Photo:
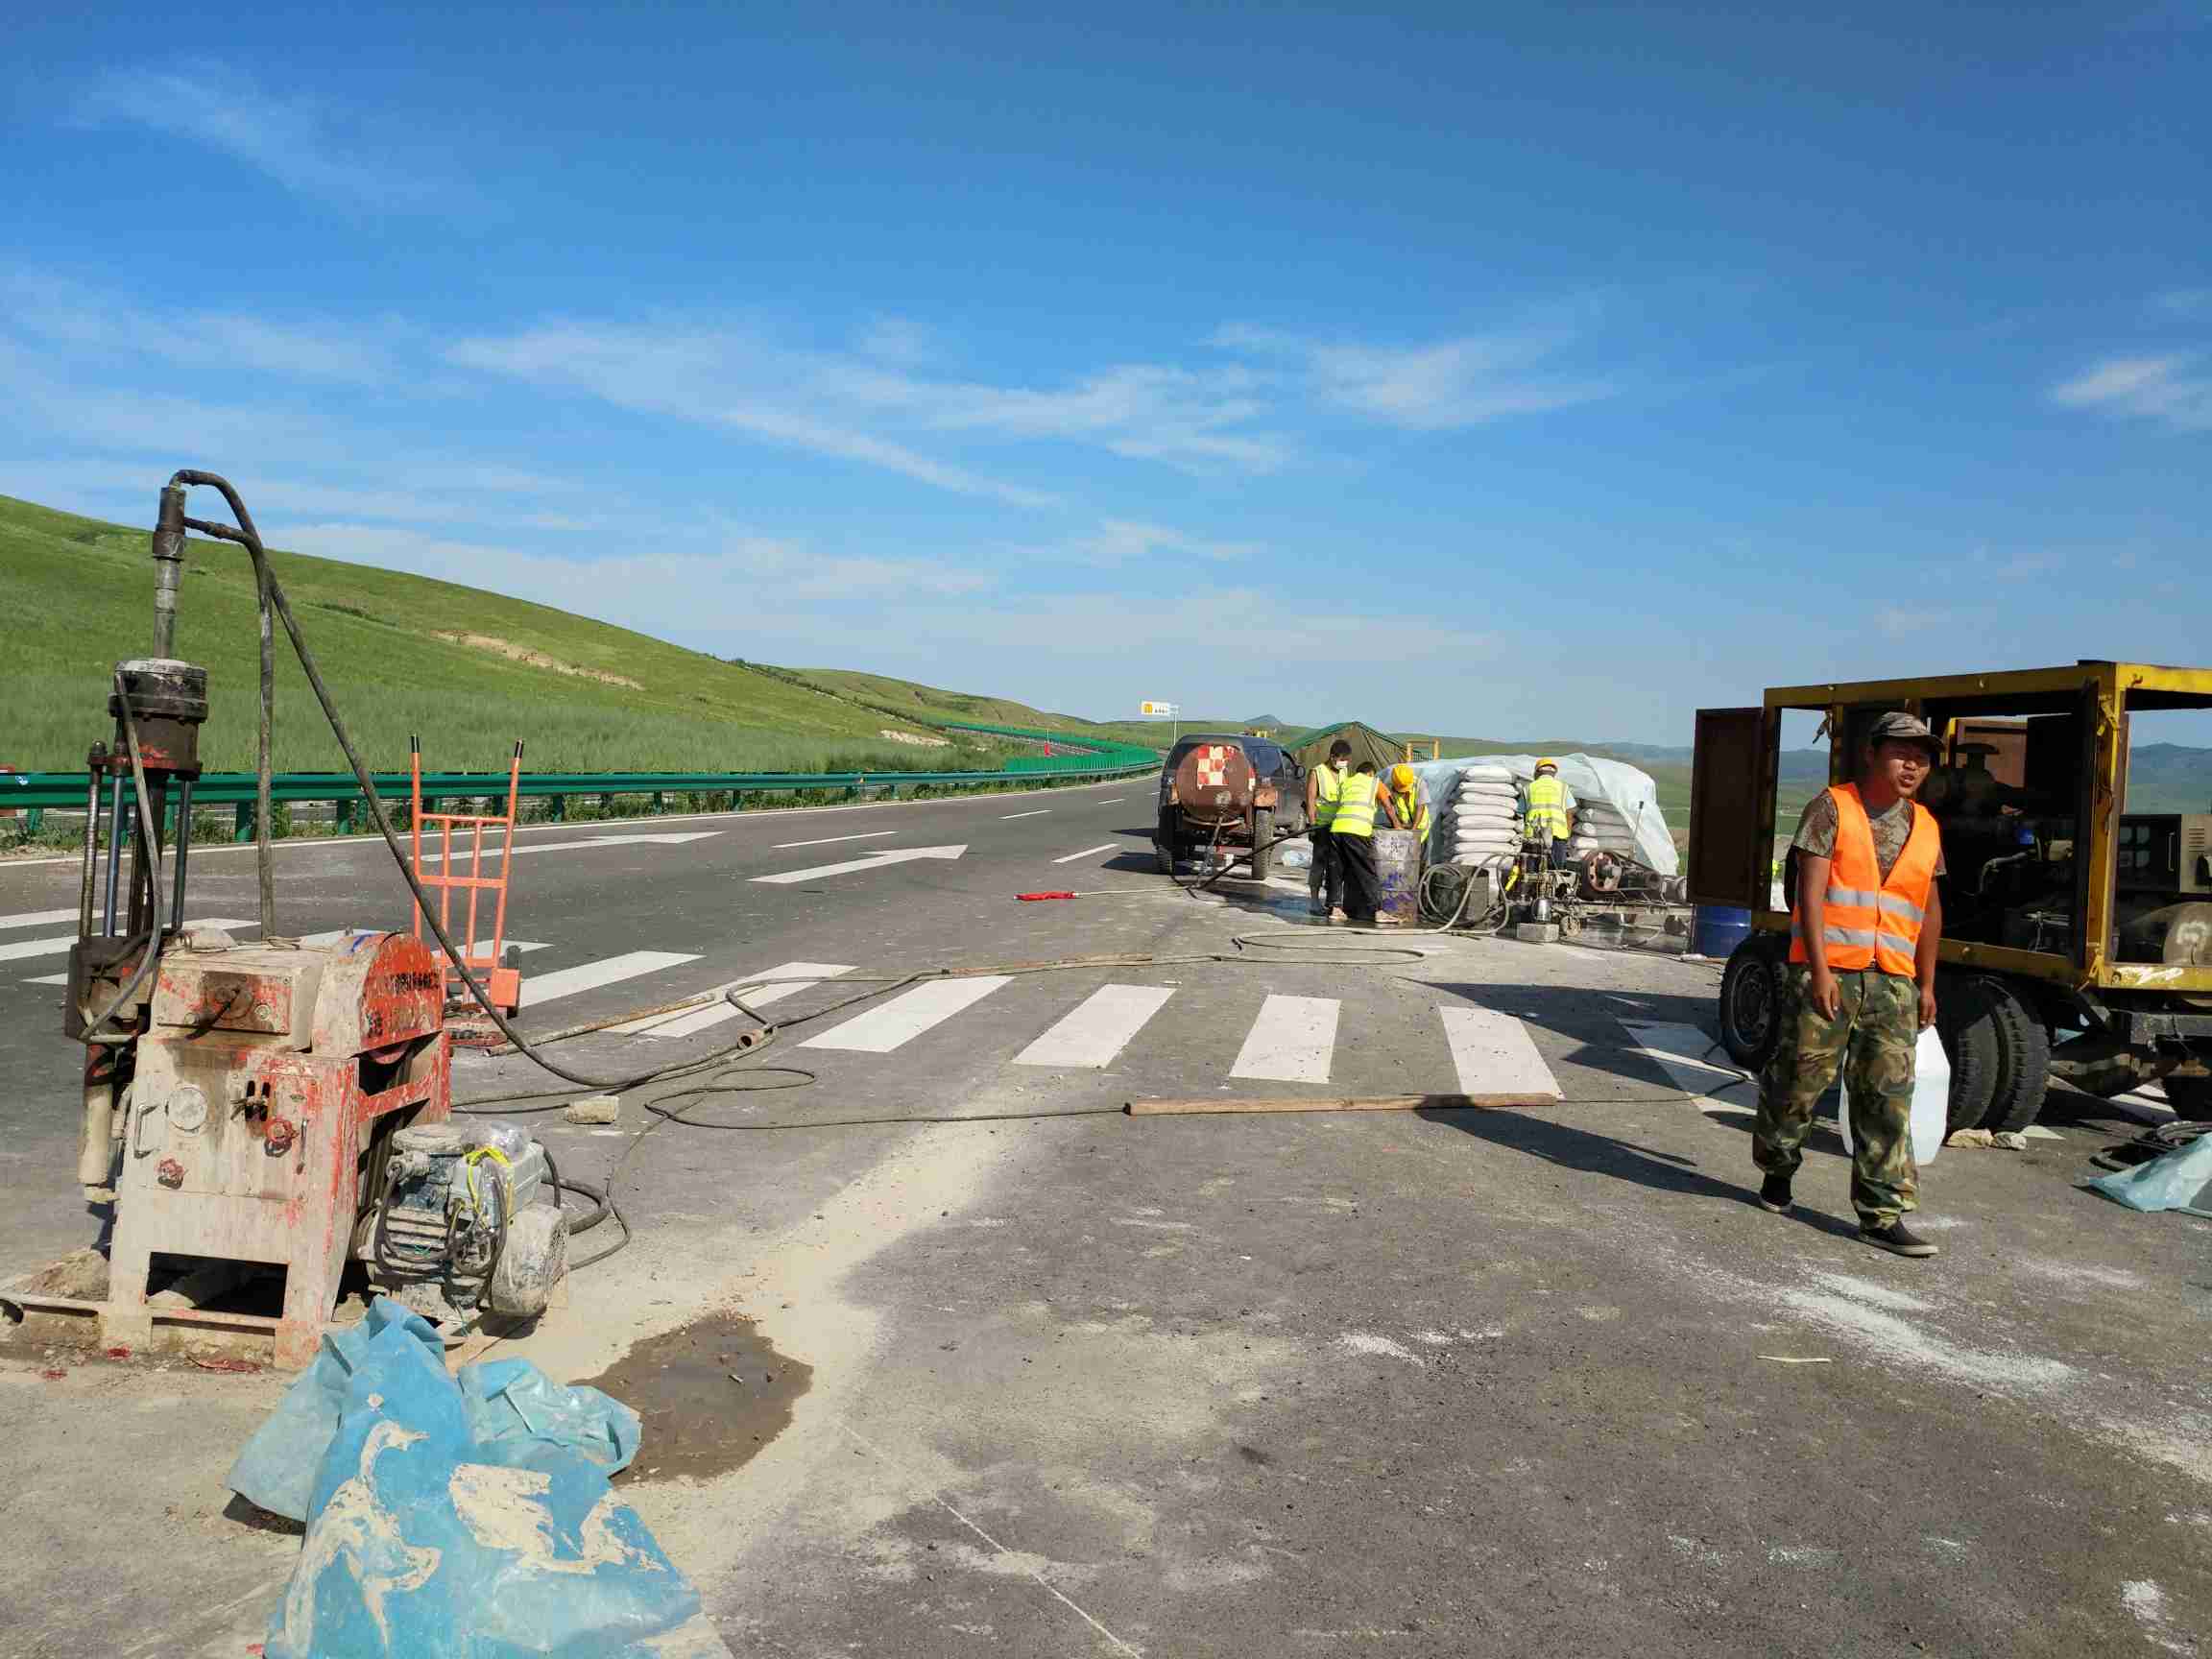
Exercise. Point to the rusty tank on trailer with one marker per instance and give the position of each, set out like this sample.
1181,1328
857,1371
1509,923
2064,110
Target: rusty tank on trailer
1214,784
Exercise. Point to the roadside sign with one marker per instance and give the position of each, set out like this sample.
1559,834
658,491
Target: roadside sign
1163,709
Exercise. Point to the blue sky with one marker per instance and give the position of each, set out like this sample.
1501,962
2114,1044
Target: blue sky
1512,370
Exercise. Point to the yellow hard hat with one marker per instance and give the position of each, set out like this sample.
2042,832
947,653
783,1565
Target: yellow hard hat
1401,776
1547,761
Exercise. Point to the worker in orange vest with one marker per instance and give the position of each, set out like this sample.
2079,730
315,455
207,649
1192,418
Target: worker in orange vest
1862,981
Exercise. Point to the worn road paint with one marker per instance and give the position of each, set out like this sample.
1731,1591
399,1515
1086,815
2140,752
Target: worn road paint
899,1020
590,975
769,985
1291,1042
1493,1054
1098,1028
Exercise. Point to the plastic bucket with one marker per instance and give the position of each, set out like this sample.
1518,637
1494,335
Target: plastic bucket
1716,929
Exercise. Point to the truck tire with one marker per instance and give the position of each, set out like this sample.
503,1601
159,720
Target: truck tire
1751,1000
2023,1059
1966,1020
1163,843
1262,854
2190,1097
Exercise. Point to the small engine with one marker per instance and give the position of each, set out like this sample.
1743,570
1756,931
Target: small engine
468,1221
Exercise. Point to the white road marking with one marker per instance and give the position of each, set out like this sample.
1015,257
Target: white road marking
865,835
461,853
339,935
38,918
877,860
1098,1028
23,949
709,1009
1039,814
1090,853
899,1021
1115,801
590,975
1680,1051
1493,1056
1291,1042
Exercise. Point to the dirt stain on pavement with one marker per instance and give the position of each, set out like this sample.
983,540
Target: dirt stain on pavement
711,1394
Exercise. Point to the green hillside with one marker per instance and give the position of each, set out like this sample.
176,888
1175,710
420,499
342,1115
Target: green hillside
469,670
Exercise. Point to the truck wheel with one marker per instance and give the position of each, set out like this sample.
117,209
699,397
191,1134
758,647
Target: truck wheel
2190,1097
1263,855
1751,1000
1966,1020
2023,1059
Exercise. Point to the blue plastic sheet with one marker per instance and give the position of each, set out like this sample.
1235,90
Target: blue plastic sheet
2177,1180
460,1518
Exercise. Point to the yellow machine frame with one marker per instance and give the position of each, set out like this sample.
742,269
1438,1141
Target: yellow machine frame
2105,693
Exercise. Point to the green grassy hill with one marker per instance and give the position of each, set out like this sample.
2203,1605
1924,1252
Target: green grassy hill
470,671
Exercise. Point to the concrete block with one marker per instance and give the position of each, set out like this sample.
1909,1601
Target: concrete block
594,1109
1537,932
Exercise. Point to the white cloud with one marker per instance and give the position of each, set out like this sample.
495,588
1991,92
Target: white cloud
1467,381
79,318
1123,541
212,104
2143,388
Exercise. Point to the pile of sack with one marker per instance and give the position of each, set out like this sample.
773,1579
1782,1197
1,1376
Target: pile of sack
1485,804
1601,826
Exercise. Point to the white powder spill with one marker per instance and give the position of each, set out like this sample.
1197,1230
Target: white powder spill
1433,1338
1944,1545
1899,1340
1158,1226
1697,1550
2147,1602
1871,1291
2079,1274
2191,1518
1801,1555
1360,1342
1015,1564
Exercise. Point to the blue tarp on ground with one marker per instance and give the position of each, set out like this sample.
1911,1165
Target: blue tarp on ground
457,1517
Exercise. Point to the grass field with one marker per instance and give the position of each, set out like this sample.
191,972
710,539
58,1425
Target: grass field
469,670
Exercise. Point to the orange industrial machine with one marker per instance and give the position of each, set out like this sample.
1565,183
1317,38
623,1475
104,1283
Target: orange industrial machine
275,1104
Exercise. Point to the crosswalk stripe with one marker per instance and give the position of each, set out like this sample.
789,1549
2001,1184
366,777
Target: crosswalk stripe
884,1028
1291,1042
590,975
709,1009
38,919
1679,1051
27,947
1098,1027
1090,853
1495,1061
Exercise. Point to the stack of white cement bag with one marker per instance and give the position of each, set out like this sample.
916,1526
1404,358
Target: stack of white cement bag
1485,802
1601,826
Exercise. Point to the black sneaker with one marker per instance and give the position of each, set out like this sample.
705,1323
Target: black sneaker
1774,1195
1897,1240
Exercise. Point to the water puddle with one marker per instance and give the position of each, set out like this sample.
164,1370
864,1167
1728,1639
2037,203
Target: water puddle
711,1394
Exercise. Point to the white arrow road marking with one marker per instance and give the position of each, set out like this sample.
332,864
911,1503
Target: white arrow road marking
873,862
772,985
870,836
1494,1057
674,838
1090,853
1291,1042
38,918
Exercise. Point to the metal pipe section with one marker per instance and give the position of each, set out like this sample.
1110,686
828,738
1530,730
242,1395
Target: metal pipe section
168,566
184,850
114,851
88,879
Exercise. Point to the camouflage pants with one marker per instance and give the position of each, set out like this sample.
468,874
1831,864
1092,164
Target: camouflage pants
1872,1037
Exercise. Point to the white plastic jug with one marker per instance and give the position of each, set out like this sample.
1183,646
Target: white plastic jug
1931,1100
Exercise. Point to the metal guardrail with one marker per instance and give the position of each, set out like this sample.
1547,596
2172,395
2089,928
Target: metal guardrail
37,791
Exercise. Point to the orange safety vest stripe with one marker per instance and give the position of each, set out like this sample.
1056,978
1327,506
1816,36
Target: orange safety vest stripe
1866,920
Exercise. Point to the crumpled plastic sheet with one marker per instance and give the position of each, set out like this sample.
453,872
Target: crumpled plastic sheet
2177,1180
463,1518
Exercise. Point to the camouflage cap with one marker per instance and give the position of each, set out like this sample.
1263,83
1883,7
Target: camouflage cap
1899,727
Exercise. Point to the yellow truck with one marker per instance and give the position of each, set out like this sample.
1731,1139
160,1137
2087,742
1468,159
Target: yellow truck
2077,935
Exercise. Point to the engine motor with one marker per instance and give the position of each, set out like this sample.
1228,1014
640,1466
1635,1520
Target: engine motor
468,1221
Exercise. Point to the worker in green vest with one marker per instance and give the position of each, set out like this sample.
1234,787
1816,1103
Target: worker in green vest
1546,813
1325,882
1353,829
1404,806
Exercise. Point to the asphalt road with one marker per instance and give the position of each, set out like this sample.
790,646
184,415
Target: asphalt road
1073,1383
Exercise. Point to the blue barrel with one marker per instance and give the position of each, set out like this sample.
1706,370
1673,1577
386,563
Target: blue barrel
1716,929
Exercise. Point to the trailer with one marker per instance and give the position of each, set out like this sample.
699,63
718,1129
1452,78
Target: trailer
2076,935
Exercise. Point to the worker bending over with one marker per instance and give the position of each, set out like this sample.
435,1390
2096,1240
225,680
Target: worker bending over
1546,813
1325,883
1353,829
1404,806
1862,981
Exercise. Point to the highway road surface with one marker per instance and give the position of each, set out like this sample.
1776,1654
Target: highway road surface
1027,1375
